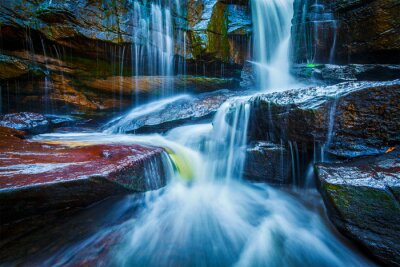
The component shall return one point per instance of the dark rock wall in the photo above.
(346, 31)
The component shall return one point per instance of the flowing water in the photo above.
(271, 40)
(207, 215)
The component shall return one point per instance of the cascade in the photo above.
(316, 32)
(207, 215)
(214, 218)
(153, 42)
(271, 40)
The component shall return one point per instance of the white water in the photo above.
(119, 124)
(271, 40)
(153, 41)
(208, 216)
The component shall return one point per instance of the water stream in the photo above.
(271, 40)
(207, 215)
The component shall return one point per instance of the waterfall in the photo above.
(271, 40)
(153, 42)
(207, 215)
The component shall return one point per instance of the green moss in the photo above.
(311, 65)
(217, 32)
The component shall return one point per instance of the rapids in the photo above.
(215, 218)
(207, 215)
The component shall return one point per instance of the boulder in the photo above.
(268, 162)
(36, 178)
(362, 197)
(350, 119)
(29, 122)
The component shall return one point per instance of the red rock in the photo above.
(36, 177)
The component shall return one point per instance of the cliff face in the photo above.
(97, 55)
(346, 31)
(90, 55)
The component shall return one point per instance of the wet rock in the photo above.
(29, 122)
(362, 197)
(330, 74)
(351, 119)
(346, 31)
(36, 178)
(267, 162)
(248, 76)
(219, 30)
(180, 111)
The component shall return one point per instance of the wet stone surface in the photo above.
(36, 177)
(362, 197)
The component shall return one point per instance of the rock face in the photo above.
(351, 119)
(81, 55)
(267, 162)
(346, 31)
(219, 29)
(362, 197)
(37, 177)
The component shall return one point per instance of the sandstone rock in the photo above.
(11, 67)
(351, 119)
(38, 178)
(362, 197)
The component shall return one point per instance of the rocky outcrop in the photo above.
(38, 178)
(81, 55)
(346, 31)
(363, 201)
(350, 119)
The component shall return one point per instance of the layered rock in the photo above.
(86, 56)
(38, 178)
(363, 201)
